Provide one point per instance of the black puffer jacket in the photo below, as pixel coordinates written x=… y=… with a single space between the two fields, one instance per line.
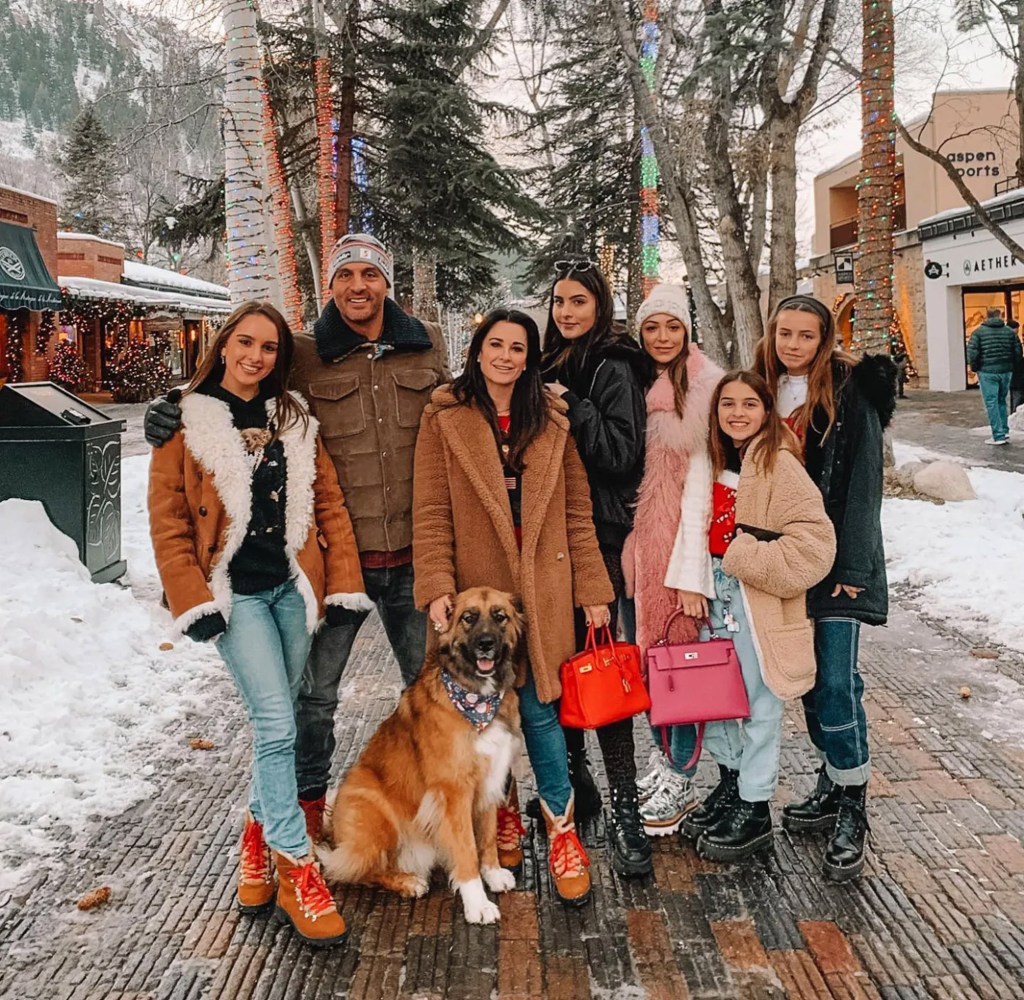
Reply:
x=847 y=467
x=608 y=417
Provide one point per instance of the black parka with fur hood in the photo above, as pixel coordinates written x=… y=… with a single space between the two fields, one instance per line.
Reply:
x=847 y=468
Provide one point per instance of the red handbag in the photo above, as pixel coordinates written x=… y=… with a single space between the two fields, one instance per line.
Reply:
x=602 y=684
x=694 y=682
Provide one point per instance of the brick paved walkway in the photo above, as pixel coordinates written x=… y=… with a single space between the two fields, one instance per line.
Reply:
x=939 y=912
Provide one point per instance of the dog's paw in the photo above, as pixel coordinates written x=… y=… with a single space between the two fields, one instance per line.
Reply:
x=414 y=886
x=498 y=879
x=488 y=913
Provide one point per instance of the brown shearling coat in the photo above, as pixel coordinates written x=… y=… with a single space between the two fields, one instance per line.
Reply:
x=776 y=575
x=463 y=534
x=200 y=500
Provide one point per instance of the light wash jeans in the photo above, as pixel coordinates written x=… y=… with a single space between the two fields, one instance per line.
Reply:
x=265 y=648
x=545 y=746
x=751 y=746
x=994 y=388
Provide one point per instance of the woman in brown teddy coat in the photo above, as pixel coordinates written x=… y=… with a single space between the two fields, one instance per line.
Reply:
x=501 y=500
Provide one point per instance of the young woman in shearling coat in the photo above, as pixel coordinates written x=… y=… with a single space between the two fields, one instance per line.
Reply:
x=768 y=540
x=254 y=546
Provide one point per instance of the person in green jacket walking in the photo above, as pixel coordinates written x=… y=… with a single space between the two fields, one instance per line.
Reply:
x=993 y=352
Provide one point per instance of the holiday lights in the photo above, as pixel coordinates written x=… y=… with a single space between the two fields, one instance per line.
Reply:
x=67 y=367
x=46 y=329
x=12 y=353
x=325 y=165
x=650 y=228
x=282 y=217
x=606 y=261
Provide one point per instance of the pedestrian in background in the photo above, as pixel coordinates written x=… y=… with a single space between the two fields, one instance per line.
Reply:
x=993 y=352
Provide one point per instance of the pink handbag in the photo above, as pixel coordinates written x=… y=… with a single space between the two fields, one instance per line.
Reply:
x=694 y=682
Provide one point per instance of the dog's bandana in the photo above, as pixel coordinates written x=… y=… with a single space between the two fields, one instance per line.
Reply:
x=478 y=710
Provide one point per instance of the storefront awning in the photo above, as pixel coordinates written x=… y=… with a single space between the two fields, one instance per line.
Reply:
x=24 y=281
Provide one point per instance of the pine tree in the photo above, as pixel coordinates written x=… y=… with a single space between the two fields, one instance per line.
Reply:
x=139 y=374
x=67 y=367
x=92 y=202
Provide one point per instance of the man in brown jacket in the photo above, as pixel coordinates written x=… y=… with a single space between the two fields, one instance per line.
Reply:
x=367 y=372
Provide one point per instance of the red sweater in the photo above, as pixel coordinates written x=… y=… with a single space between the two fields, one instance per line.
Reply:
x=723 y=513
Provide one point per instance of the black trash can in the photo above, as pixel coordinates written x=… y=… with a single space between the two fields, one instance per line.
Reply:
x=67 y=454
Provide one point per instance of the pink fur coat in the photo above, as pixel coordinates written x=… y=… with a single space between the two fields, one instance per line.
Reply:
x=670 y=443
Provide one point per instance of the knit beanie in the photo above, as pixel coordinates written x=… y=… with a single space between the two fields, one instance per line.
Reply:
x=668 y=299
x=361 y=248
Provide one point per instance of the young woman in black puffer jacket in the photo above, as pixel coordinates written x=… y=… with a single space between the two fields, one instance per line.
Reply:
x=839 y=406
x=601 y=373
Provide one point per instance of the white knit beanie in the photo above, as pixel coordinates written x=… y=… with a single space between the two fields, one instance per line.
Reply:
x=668 y=299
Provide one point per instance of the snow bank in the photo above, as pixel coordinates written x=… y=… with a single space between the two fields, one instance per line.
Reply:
x=87 y=693
x=967 y=558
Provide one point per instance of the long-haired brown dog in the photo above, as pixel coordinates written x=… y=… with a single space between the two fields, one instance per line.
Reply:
x=426 y=787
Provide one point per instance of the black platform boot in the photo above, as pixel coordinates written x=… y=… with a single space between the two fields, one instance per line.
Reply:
x=719 y=801
x=844 y=856
x=586 y=794
x=818 y=811
x=744 y=829
x=631 y=850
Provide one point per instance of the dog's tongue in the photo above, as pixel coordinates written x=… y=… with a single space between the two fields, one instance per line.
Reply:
x=485 y=666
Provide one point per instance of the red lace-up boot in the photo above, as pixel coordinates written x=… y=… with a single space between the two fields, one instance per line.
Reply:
x=570 y=866
x=304 y=900
x=255 y=871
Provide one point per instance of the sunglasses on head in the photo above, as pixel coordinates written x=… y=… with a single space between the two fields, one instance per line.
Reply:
x=571 y=266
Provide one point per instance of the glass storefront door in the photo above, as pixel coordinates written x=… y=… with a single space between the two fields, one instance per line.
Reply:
x=976 y=304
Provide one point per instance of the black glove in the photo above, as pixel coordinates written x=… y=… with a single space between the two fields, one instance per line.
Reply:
x=337 y=615
x=206 y=628
x=163 y=418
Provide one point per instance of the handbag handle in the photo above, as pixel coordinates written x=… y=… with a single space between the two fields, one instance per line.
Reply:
x=704 y=620
x=698 y=746
x=592 y=637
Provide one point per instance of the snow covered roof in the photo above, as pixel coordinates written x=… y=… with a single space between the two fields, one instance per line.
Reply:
x=90 y=238
x=1017 y=194
x=146 y=274
x=93 y=288
x=28 y=194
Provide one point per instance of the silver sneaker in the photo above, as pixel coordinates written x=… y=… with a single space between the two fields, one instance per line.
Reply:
x=662 y=813
x=648 y=783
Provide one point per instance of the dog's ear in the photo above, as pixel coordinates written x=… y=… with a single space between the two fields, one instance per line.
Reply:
x=516 y=601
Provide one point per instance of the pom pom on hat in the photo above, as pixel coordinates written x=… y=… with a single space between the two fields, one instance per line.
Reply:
x=669 y=299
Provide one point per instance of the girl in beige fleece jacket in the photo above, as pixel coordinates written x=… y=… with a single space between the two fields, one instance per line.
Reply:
x=761 y=540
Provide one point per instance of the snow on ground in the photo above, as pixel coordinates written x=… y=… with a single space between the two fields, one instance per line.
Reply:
x=965 y=559
x=87 y=693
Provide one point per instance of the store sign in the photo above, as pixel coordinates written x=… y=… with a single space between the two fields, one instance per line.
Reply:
x=974 y=266
x=11 y=265
x=933 y=269
x=975 y=163
x=844 y=268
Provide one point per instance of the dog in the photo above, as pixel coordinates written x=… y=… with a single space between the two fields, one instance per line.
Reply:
x=426 y=788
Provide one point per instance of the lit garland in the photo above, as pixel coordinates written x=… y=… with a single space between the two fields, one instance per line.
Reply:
x=47 y=328
x=650 y=227
x=284 y=236
x=875 y=186
x=325 y=165
x=12 y=353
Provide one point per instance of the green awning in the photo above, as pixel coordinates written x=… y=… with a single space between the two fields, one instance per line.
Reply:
x=24 y=281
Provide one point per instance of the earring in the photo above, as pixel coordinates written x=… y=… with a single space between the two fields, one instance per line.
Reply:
x=223 y=358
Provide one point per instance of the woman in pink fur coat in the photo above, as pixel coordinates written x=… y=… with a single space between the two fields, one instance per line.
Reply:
x=678 y=409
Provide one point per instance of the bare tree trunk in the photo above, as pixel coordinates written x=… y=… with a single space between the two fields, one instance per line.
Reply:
x=346 y=124
x=249 y=266
x=782 y=256
x=424 y=286
x=873 y=274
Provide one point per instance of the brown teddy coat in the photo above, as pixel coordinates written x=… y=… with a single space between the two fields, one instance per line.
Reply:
x=200 y=502
x=463 y=534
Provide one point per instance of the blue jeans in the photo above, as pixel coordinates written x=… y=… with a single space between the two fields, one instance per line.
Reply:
x=265 y=648
x=993 y=392
x=406 y=629
x=545 y=746
x=834 y=708
x=681 y=743
x=750 y=747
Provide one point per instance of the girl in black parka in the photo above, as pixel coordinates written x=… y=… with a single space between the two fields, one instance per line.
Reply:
x=839 y=406
x=602 y=373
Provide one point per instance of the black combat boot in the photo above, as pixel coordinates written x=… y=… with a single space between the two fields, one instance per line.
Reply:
x=818 y=811
x=744 y=829
x=631 y=850
x=718 y=802
x=586 y=794
x=844 y=856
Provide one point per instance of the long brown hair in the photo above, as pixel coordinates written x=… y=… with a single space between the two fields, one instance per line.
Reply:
x=773 y=436
x=557 y=350
x=822 y=388
x=528 y=414
x=276 y=383
x=676 y=368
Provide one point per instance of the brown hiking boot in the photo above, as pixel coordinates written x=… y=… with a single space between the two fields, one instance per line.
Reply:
x=568 y=860
x=510 y=830
x=255 y=872
x=304 y=900
x=313 y=810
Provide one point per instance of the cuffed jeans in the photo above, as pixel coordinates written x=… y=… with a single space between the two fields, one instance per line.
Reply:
x=545 y=746
x=834 y=708
x=994 y=388
x=265 y=648
x=750 y=747
x=406 y=629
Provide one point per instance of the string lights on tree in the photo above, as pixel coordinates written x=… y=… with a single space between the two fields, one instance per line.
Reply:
x=67 y=367
x=46 y=329
x=325 y=164
x=650 y=225
x=12 y=352
x=606 y=262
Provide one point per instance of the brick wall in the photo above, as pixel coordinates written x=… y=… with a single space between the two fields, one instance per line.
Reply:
x=90 y=258
x=23 y=209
